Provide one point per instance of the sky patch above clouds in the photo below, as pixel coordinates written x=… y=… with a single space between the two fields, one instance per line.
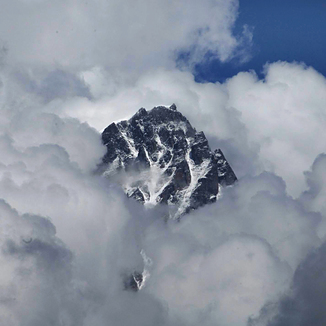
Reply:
x=69 y=237
x=292 y=30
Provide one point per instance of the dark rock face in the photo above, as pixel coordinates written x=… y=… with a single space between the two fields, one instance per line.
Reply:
x=166 y=160
x=134 y=281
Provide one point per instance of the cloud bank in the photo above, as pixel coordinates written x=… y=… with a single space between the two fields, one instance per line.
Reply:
x=280 y=119
x=224 y=263
x=70 y=237
x=129 y=35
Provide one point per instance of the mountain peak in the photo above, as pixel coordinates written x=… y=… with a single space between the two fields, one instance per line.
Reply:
x=166 y=160
x=173 y=107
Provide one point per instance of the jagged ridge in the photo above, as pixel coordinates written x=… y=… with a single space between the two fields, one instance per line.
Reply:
x=166 y=160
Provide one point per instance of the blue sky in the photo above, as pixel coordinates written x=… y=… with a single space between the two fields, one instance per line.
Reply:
x=292 y=30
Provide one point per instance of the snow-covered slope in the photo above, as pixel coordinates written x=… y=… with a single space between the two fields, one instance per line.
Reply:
x=164 y=160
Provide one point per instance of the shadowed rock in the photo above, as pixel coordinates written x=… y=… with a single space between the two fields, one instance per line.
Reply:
x=169 y=162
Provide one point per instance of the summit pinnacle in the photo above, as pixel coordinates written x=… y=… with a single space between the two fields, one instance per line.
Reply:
x=165 y=160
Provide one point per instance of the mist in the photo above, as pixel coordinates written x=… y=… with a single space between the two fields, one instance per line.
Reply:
x=69 y=237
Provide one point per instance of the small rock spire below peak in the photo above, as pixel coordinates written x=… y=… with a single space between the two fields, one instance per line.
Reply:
x=173 y=107
x=142 y=111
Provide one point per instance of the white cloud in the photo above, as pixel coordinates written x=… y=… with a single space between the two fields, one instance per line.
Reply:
x=68 y=237
x=285 y=115
x=273 y=124
x=224 y=282
x=240 y=252
x=128 y=35
x=314 y=197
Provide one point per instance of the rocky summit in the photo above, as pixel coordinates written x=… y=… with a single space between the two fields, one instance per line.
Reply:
x=163 y=159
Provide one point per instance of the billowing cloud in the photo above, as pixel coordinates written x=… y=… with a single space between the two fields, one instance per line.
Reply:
x=285 y=113
x=36 y=271
x=240 y=252
x=272 y=124
x=304 y=304
x=69 y=238
x=222 y=280
x=129 y=35
x=314 y=197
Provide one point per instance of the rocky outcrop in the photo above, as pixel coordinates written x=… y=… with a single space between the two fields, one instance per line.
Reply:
x=165 y=160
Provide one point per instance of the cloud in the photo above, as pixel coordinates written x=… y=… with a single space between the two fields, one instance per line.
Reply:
x=304 y=305
x=260 y=206
x=224 y=262
x=223 y=282
x=129 y=36
x=285 y=114
x=50 y=85
x=70 y=237
x=36 y=270
x=260 y=210
x=265 y=125
x=314 y=197
x=240 y=252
